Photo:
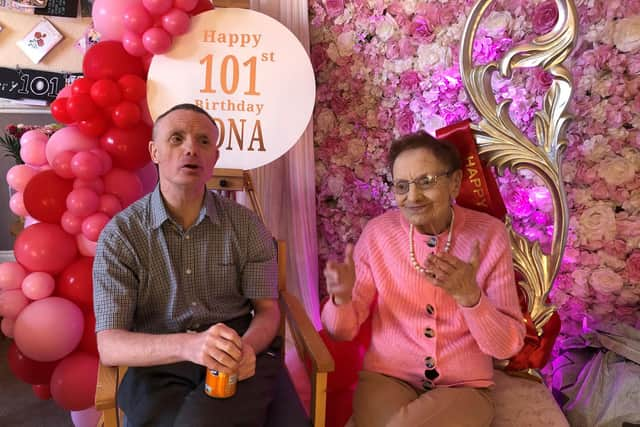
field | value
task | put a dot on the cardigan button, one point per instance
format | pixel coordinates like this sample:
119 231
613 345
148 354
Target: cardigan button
428 385
429 333
430 309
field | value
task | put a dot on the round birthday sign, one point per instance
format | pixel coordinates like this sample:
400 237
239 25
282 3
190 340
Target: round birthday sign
249 72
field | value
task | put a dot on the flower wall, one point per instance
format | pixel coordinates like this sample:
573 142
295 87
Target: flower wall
386 68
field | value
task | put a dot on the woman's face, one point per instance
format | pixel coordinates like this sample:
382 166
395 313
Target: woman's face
427 203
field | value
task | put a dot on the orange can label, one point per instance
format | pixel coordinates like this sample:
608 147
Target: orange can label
220 385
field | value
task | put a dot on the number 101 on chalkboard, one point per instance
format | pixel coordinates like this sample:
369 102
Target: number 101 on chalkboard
230 72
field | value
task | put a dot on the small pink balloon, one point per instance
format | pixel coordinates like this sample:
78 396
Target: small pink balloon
137 19
86 165
49 329
11 275
85 246
33 135
16 204
29 221
65 92
82 202
86 418
19 175
186 5
62 164
12 302
109 204
69 138
105 159
38 285
124 184
157 7
176 22
97 185
71 223
6 326
93 224
156 40
132 43
108 17
33 153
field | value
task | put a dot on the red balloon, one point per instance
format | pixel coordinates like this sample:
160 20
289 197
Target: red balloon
73 383
45 247
29 370
126 115
128 147
106 93
94 126
42 391
59 111
202 6
45 196
81 85
75 283
133 87
81 107
89 343
109 60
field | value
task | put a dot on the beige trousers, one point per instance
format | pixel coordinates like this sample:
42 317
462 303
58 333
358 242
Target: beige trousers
383 401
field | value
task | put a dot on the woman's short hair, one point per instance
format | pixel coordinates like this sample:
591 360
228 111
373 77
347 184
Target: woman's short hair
444 151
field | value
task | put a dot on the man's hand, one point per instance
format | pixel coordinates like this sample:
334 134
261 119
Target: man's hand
341 277
247 366
456 277
219 348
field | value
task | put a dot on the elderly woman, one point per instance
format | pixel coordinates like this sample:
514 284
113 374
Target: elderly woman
437 280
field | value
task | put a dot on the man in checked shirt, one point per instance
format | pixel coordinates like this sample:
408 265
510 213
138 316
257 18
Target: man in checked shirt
185 280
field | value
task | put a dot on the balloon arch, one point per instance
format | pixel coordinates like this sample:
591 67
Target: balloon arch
70 186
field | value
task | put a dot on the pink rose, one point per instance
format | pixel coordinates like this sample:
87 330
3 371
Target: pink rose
334 7
420 28
605 281
633 267
517 202
409 80
545 17
404 122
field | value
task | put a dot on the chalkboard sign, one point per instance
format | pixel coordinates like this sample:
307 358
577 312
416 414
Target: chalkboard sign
68 8
24 84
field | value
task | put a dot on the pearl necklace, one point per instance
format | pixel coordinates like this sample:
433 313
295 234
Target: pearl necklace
412 253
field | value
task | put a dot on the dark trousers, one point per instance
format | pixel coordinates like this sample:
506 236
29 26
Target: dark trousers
173 395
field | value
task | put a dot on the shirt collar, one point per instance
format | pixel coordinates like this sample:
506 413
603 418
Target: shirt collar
159 212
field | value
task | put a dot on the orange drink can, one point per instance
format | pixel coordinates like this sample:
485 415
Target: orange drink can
220 385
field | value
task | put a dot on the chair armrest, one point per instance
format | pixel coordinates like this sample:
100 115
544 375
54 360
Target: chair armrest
108 380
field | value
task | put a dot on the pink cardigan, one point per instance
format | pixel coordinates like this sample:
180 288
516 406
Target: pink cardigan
464 340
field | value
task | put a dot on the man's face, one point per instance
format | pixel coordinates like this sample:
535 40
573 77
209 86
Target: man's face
184 148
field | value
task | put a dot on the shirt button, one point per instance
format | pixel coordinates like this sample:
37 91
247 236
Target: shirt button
429 333
194 303
428 385
429 362
430 309
188 271
187 237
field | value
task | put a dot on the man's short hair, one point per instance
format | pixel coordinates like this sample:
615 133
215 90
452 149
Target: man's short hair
185 106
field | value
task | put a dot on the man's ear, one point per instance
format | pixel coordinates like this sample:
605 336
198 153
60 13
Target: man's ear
153 152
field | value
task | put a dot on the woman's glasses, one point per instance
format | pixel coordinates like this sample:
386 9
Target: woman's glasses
424 183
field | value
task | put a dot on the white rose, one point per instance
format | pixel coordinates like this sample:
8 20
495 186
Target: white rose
541 199
626 35
632 155
409 6
605 281
616 170
332 52
356 149
580 277
497 23
598 223
335 185
632 204
326 120
432 54
386 28
345 43
432 122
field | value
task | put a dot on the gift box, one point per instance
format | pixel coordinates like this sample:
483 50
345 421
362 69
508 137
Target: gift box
40 40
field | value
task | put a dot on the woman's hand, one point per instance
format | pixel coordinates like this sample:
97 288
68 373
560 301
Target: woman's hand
341 277
456 277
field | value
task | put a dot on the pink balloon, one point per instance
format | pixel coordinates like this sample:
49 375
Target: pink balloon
49 329
71 223
33 135
132 43
105 160
137 19
96 185
86 165
156 40
6 326
157 7
38 285
86 418
11 275
85 246
45 247
83 202
65 92
16 204
186 5
29 221
33 153
108 17
109 204
149 177
19 175
124 184
73 382
62 164
176 22
92 225
12 302
69 138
